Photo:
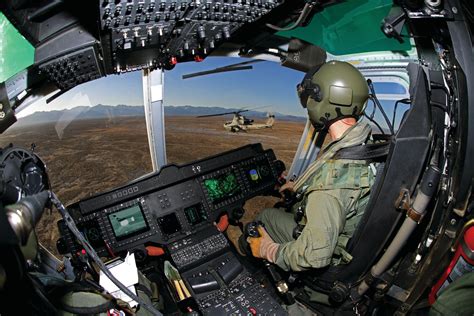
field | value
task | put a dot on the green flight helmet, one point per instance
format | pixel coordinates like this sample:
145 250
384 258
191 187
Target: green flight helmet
333 91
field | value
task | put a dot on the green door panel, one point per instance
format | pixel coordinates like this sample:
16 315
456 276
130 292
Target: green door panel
350 27
16 53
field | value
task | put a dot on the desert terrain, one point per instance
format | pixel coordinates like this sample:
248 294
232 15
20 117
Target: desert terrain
91 156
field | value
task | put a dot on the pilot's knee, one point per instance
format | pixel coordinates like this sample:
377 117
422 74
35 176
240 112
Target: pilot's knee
266 216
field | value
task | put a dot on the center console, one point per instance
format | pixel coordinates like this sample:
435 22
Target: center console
219 282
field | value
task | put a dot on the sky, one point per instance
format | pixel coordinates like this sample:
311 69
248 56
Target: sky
268 85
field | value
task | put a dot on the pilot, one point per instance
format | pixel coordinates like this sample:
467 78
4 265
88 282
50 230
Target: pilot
332 193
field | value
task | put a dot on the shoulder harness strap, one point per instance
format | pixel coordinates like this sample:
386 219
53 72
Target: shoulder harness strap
369 152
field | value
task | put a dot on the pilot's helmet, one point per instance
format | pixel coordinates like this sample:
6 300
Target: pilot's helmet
333 91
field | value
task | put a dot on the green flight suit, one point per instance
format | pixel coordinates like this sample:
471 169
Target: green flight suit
334 195
456 300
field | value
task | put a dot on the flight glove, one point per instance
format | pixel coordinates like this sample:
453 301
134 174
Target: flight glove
263 246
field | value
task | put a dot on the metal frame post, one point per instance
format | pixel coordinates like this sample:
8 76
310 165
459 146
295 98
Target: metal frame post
305 154
155 115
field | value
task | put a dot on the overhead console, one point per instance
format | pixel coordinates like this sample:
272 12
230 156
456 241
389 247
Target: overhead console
148 33
76 42
174 203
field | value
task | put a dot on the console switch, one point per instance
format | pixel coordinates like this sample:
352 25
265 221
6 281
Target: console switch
203 282
229 269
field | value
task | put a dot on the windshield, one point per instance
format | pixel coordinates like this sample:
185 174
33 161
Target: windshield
92 139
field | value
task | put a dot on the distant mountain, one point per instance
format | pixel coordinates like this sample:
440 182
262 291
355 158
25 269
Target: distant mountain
108 111
82 113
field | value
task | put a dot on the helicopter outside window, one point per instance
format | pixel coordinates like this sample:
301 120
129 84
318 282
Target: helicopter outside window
210 114
392 92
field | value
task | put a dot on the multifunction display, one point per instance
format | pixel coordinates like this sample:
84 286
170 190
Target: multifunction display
195 214
128 221
258 174
222 187
169 224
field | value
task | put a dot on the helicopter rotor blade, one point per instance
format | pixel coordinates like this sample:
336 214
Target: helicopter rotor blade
240 111
218 114
258 107
214 71
253 61
232 67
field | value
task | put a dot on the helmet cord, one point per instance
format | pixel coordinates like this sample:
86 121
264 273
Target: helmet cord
373 96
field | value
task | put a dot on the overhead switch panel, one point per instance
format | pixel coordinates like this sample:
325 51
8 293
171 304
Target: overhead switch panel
149 33
72 69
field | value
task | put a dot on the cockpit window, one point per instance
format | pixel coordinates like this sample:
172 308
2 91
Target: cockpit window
209 114
394 99
92 138
383 88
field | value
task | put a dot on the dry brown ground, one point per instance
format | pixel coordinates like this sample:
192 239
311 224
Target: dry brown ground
189 138
97 155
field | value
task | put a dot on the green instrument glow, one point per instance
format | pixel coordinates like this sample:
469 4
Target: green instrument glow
222 187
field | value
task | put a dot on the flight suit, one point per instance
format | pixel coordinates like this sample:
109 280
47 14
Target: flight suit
333 196
456 299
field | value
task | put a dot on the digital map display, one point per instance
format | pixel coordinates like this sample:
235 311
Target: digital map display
222 187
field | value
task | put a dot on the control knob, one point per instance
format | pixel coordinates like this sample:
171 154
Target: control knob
201 33
226 32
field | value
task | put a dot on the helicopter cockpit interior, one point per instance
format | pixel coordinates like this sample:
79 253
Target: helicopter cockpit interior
161 185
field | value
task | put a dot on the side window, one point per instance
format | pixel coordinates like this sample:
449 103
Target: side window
207 115
392 93
92 138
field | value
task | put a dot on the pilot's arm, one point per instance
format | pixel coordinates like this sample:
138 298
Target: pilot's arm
315 246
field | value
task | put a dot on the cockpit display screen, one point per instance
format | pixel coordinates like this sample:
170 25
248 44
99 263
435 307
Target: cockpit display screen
169 224
195 214
128 221
222 187
258 174
91 231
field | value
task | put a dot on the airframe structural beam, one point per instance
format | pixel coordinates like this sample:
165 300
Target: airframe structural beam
305 154
155 115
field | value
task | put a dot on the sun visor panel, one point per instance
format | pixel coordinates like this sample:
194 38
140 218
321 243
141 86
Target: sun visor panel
340 95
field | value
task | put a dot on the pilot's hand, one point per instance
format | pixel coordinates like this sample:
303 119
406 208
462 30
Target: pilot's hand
281 180
288 186
263 246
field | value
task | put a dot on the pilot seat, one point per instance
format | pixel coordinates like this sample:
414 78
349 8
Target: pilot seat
332 286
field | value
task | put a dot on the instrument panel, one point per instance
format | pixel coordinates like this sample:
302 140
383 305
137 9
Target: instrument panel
175 202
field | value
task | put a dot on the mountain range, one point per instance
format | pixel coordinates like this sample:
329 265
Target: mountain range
108 111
